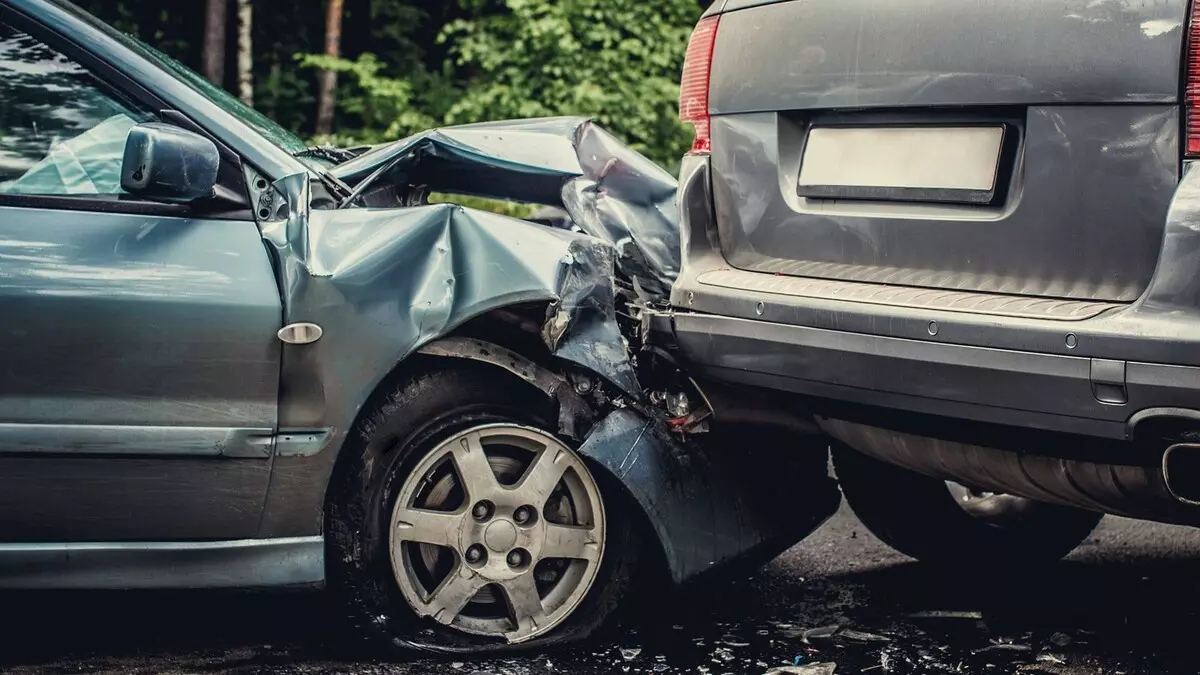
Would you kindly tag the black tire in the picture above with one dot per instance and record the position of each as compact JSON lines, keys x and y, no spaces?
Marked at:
{"x":390,"y":440}
{"x":917,"y":515}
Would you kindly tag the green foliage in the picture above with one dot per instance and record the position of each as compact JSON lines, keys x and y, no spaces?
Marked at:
{"x":511,"y":209}
{"x":411,"y":64}
{"x":616,"y":60}
{"x":385,"y":105}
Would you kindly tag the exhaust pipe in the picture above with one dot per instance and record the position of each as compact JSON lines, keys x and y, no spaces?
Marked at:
{"x":1181,"y":472}
{"x":1131,"y":490}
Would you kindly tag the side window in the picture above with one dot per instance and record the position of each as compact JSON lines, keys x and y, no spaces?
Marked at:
{"x":60,"y":132}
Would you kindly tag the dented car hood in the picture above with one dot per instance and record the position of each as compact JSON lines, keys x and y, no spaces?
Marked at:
{"x":610,"y":191}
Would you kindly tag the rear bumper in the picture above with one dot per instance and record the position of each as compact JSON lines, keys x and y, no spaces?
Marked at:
{"x":1095,"y":376}
{"x":1011,"y":388}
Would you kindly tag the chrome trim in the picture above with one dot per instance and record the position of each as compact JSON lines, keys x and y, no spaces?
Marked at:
{"x":809,"y":282}
{"x":302,"y":442}
{"x":301,"y":333}
{"x":248,"y":563}
{"x":155,"y":441}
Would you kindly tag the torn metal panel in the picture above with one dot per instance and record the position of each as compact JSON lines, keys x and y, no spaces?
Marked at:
{"x":382,"y":283}
{"x":709,"y":505}
{"x":486,"y":352}
{"x":575,"y":415}
{"x":610,"y":191}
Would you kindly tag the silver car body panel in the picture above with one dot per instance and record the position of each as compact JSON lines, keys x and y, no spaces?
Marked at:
{"x":247,"y":563}
{"x":1087,"y":94}
{"x":1098,"y":246}
{"x":824,"y":54}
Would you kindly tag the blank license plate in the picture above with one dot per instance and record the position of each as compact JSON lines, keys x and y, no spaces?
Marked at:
{"x":919,"y":164}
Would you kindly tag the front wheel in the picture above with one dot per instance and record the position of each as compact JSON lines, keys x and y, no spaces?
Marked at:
{"x":939,"y":522}
{"x":463,"y":524}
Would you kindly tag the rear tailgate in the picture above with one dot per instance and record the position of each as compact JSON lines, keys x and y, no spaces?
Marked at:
{"x":1021,"y":147}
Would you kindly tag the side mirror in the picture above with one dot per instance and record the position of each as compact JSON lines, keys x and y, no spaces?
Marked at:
{"x":166,"y":163}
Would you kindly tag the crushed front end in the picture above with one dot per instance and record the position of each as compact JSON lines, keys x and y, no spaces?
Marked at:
{"x":576,"y":305}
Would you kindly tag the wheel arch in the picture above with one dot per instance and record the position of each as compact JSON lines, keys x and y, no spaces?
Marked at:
{"x":503,"y":342}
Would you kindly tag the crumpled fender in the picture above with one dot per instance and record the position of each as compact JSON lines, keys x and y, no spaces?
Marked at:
{"x":610,"y":191}
{"x":381,"y":283}
{"x":706,"y":504}
{"x":715,"y":498}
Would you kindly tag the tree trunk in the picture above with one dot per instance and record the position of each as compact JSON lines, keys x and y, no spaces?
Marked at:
{"x":214,"y":41}
{"x":333,"y":47}
{"x":245,"y":52}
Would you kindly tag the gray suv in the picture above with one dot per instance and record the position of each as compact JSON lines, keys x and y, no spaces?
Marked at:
{"x":962,"y":238}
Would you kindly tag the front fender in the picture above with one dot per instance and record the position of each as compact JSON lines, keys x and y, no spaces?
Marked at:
{"x":381,"y":283}
{"x":711,"y":499}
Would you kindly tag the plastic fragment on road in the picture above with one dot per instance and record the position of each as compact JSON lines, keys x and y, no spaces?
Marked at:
{"x":822,"y":633}
{"x":733,"y":641}
{"x":1003,"y":647}
{"x":807,"y":669}
{"x":862,"y":636}
{"x":837,"y":631}
{"x":1060,"y":639}
{"x":943,"y":614}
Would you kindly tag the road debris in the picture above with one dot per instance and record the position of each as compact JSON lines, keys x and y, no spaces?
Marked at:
{"x":862,"y":636}
{"x":822,"y":633}
{"x":1001,"y":646}
{"x":630,"y":654}
{"x":1060,"y":639}
{"x":807,"y":669}
{"x":1051,"y":658}
{"x":943,"y":614}
{"x":837,"y":631}
{"x":733,"y":641}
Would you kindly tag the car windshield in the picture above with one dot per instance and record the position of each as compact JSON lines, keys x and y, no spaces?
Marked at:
{"x":264,"y":125}
{"x":230,"y":103}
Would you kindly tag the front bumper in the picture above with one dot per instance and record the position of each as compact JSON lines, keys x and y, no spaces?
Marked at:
{"x":1097,"y":377}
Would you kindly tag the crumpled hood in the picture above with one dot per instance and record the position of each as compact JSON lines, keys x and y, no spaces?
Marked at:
{"x":610,"y":191}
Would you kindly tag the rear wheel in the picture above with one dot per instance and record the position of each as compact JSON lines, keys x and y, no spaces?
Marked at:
{"x":939,"y":522}
{"x":463,"y":524}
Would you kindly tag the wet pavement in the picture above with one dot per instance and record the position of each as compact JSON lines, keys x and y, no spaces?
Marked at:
{"x":1125,"y":602}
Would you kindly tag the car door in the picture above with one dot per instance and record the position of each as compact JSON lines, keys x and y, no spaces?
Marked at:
{"x":140,"y":363}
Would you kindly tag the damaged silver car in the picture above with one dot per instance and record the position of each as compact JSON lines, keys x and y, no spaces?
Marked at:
{"x":236,"y":361}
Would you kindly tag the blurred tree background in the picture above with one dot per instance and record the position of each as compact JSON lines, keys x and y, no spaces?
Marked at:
{"x":364,"y":71}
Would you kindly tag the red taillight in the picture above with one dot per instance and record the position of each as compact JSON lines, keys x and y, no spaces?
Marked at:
{"x":1191,"y":92}
{"x":693,"y":89}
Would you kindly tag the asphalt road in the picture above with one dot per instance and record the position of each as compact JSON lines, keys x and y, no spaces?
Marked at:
{"x":1125,"y":602}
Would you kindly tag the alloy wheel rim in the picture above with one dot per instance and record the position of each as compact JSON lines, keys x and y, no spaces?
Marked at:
{"x":499,"y":531}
